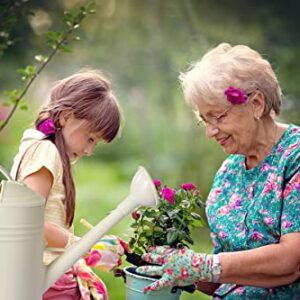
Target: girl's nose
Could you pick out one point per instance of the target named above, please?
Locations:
(211, 130)
(88, 151)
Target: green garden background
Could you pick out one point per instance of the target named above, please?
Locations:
(143, 45)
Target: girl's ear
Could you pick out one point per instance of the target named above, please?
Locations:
(258, 104)
(64, 116)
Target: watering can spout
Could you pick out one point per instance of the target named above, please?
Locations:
(142, 193)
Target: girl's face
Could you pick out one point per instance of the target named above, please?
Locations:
(79, 140)
(233, 127)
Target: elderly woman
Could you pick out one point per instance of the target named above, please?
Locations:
(253, 208)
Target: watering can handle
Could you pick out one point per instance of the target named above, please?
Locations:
(5, 173)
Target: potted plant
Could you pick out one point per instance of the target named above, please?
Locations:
(171, 224)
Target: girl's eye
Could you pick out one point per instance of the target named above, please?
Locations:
(91, 140)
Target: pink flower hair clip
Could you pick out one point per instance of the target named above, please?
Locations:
(47, 127)
(235, 95)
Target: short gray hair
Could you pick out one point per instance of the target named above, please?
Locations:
(226, 65)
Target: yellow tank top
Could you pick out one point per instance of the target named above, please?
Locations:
(35, 153)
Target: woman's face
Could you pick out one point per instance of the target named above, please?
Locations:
(232, 126)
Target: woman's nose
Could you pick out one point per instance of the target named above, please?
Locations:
(211, 130)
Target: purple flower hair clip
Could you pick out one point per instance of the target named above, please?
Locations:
(235, 95)
(47, 127)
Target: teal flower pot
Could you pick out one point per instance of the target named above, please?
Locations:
(135, 284)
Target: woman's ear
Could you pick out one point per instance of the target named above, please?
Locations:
(258, 104)
(64, 116)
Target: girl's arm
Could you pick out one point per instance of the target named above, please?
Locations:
(41, 182)
(267, 266)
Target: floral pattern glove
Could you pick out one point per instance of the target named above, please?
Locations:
(177, 267)
(106, 254)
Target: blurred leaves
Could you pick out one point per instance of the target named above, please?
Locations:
(57, 41)
(10, 14)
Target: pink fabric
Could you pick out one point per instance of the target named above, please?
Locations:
(65, 288)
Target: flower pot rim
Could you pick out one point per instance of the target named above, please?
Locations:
(128, 270)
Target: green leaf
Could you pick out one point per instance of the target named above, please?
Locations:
(189, 239)
(53, 38)
(148, 232)
(27, 72)
(171, 237)
(158, 229)
(147, 223)
(200, 203)
(149, 213)
(134, 225)
(138, 251)
(65, 48)
(196, 216)
(197, 223)
(23, 104)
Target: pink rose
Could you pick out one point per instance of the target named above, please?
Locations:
(188, 186)
(168, 194)
(135, 215)
(157, 182)
(235, 96)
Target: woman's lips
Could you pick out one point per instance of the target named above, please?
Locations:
(223, 141)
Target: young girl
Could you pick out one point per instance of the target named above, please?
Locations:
(82, 112)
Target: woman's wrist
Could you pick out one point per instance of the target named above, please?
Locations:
(216, 269)
(210, 267)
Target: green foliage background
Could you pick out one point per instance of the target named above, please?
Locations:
(143, 45)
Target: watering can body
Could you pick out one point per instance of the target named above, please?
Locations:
(21, 242)
(22, 273)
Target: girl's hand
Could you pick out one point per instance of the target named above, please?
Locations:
(106, 254)
(178, 267)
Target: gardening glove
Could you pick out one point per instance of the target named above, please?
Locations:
(106, 254)
(90, 285)
(179, 267)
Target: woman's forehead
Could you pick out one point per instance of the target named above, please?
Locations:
(206, 108)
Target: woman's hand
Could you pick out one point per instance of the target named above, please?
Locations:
(178, 267)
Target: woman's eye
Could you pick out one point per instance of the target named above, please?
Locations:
(220, 117)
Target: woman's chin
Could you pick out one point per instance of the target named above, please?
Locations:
(228, 149)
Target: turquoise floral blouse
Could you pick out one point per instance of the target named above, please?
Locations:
(248, 209)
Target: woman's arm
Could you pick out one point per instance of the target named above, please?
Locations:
(266, 266)
(207, 288)
(41, 182)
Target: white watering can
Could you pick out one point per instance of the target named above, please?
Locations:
(22, 273)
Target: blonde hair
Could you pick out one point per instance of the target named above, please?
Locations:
(88, 96)
(226, 65)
